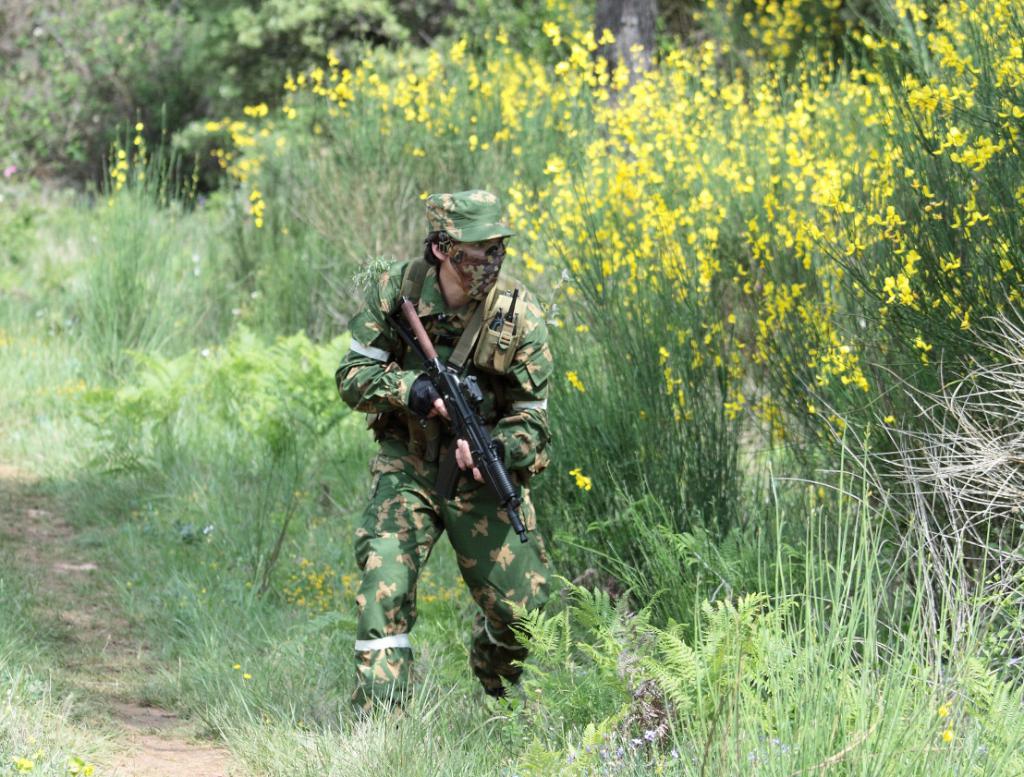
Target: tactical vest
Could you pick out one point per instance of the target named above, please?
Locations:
(491, 337)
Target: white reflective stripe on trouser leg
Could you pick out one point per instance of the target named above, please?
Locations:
(539, 404)
(377, 354)
(499, 643)
(394, 641)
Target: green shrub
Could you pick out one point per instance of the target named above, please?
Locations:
(777, 684)
(231, 435)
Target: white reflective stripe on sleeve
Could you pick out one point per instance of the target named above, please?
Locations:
(539, 404)
(394, 641)
(493, 641)
(370, 352)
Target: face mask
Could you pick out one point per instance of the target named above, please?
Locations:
(477, 267)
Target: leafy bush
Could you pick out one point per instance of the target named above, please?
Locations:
(233, 436)
(81, 73)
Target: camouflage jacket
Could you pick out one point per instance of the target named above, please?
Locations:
(377, 373)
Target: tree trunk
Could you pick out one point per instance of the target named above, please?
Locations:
(632, 23)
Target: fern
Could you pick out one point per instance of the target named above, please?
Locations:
(549, 637)
(592, 609)
(677, 669)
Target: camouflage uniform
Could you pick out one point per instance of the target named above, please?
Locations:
(405, 517)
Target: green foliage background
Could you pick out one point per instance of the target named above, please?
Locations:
(73, 74)
(740, 598)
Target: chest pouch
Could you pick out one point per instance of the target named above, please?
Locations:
(502, 332)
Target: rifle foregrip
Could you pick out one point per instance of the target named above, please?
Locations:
(508, 496)
(502, 483)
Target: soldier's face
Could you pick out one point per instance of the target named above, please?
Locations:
(477, 265)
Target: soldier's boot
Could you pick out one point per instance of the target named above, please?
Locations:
(495, 656)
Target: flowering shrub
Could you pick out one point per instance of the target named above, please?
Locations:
(749, 202)
(723, 253)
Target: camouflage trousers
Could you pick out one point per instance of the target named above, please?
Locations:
(402, 521)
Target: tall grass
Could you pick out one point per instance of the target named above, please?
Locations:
(840, 666)
(842, 669)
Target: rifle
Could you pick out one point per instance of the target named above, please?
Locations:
(462, 396)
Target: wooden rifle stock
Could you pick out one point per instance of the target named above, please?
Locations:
(413, 319)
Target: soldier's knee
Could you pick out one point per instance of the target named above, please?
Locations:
(387, 576)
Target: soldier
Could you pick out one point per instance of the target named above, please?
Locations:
(458, 295)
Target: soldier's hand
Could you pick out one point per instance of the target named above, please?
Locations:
(424, 400)
(464, 458)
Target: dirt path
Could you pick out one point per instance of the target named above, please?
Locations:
(102, 660)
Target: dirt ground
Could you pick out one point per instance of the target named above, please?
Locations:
(102, 659)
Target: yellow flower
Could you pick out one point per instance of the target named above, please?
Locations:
(246, 676)
(582, 481)
(236, 666)
(944, 708)
(575, 382)
(554, 166)
(77, 766)
(947, 735)
(551, 30)
(24, 764)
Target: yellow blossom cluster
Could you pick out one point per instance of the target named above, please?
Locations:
(68, 389)
(73, 766)
(777, 29)
(740, 216)
(317, 588)
(575, 382)
(121, 163)
(583, 482)
(431, 589)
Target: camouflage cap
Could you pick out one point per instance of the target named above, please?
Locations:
(468, 217)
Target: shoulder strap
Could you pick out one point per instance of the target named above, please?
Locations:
(467, 342)
(477, 323)
(469, 337)
(412, 286)
(412, 280)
